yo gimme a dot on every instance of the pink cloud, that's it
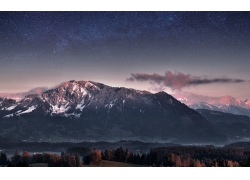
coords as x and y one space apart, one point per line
178 80
19 95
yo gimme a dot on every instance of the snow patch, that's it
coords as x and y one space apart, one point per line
74 87
111 105
30 109
61 109
7 116
18 111
73 114
81 105
11 107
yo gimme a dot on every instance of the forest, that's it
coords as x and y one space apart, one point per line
173 156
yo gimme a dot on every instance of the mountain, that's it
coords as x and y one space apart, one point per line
91 111
236 126
225 104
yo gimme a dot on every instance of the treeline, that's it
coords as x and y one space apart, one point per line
53 160
200 152
175 157
178 156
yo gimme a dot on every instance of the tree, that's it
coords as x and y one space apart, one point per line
108 155
153 158
54 160
246 163
195 163
78 161
3 159
16 157
221 162
229 163
37 158
169 159
22 164
25 157
93 157
120 155
46 157
70 161
130 157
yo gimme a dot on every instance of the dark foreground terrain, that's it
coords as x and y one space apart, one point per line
123 154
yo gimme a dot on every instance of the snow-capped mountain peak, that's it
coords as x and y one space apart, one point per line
226 104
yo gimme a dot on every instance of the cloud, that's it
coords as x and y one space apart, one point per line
178 80
20 95
194 98
37 90
156 87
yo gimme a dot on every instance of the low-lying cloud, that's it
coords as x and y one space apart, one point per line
178 80
20 95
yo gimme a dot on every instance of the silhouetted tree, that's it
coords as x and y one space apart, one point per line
153 158
54 160
3 159
37 158
78 161
130 157
70 161
46 157
93 157
245 163
120 155
15 158
109 154
169 159
22 164
25 157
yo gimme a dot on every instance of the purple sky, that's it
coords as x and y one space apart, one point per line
204 53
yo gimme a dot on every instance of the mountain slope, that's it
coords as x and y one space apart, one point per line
93 111
236 126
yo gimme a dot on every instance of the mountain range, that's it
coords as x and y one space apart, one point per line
227 104
92 111
237 127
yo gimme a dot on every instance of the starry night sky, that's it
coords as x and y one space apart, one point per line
130 49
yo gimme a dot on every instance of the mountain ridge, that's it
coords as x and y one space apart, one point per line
77 109
227 104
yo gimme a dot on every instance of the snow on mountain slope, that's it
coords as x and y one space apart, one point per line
68 99
224 104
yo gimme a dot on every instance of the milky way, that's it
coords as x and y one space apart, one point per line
45 48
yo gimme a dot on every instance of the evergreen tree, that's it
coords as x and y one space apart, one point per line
153 158
108 155
120 155
245 163
3 159
16 157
